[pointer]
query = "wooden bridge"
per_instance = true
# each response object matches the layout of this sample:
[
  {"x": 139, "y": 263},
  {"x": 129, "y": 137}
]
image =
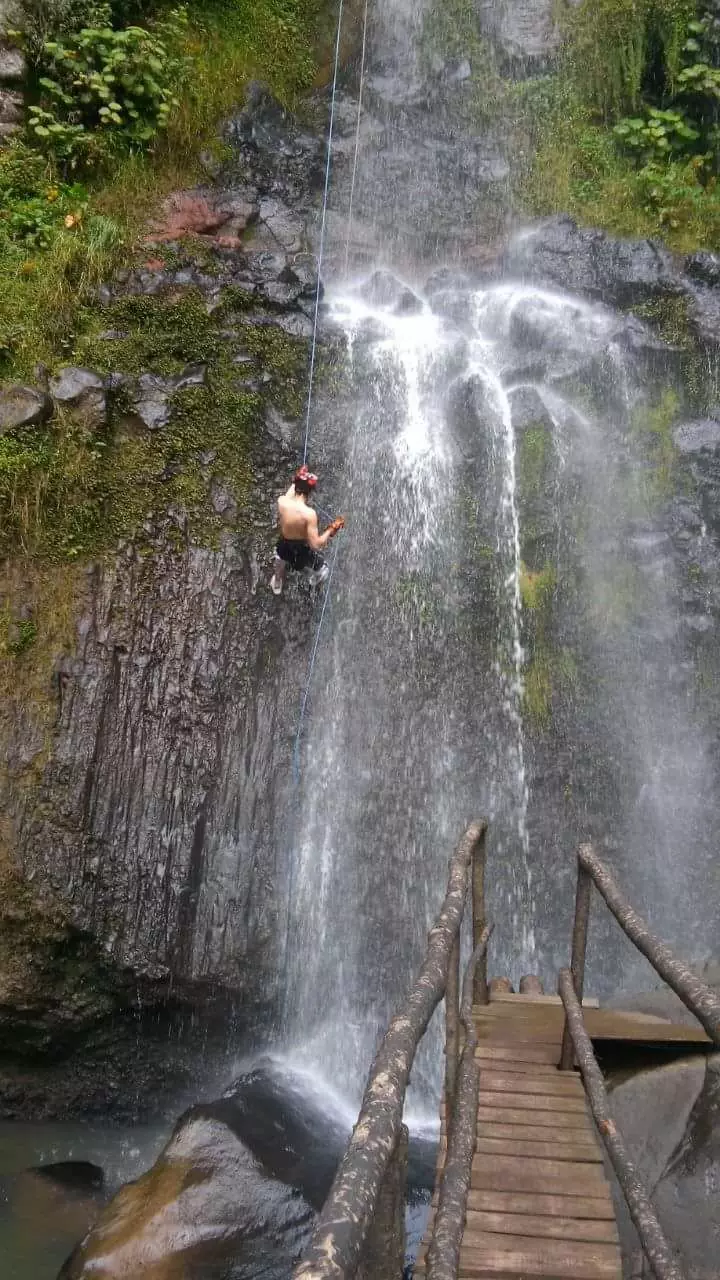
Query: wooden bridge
[{"x": 526, "y": 1133}]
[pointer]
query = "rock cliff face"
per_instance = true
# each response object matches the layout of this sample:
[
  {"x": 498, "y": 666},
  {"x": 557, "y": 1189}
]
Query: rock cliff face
[{"x": 148, "y": 777}]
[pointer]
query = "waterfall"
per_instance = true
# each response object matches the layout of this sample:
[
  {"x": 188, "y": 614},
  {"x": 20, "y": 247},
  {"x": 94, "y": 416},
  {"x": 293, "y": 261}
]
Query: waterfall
[{"x": 502, "y": 625}]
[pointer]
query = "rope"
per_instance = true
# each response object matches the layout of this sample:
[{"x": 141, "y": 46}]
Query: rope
[
  {"x": 311, "y": 668},
  {"x": 322, "y": 228},
  {"x": 357, "y": 136}
]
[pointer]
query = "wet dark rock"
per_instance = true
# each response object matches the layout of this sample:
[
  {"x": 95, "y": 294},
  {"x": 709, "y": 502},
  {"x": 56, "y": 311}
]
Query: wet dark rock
[
  {"x": 78, "y": 1176},
  {"x": 524, "y": 33},
  {"x": 529, "y": 408},
  {"x": 298, "y": 326},
  {"x": 408, "y": 303},
  {"x": 23, "y": 407},
  {"x": 13, "y": 65},
  {"x": 285, "y": 160},
  {"x": 279, "y": 427},
  {"x": 669, "y": 1118},
  {"x": 703, "y": 266},
  {"x": 222, "y": 500},
  {"x": 591, "y": 263},
  {"x": 193, "y": 375},
  {"x": 207, "y": 1207},
  {"x": 11, "y": 110},
  {"x": 83, "y": 393},
  {"x": 698, "y": 436},
  {"x": 622, "y": 273},
  {"x": 382, "y": 289},
  {"x": 237, "y": 1186},
  {"x": 704, "y": 313}
]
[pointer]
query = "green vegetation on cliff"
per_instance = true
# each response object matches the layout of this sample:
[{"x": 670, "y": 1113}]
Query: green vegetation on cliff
[
  {"x": 74, "y": 204},
  {"x": 626, "y": 133}
]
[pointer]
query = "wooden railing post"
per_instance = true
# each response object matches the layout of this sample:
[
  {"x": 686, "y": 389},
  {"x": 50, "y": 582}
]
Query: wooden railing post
[
  {"x": 383, "y": 1255},
  {"x": 579, "y": 948},
  {"x": 480, "y": 991},
  {"x": 452, "y": 1024},
  {"x": 652, "y": 1237}
]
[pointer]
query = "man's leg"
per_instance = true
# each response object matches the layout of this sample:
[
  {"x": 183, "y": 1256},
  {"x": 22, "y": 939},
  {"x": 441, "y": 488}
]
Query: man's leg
[
  {"x": 317, "y": 570},
  {"x": 278, "y": 578}
]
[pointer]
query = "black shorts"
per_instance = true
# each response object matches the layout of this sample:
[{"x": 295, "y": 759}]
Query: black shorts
[{"x": 298, "y": 555}]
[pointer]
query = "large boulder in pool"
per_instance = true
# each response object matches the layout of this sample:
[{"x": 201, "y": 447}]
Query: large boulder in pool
[
  {"x": 206, "y": 1209},
  {"x": 235, "y": 1192}
]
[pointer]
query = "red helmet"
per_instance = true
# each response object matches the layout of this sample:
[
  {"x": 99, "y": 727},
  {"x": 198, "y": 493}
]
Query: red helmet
[{"x": 306, "y": 476}]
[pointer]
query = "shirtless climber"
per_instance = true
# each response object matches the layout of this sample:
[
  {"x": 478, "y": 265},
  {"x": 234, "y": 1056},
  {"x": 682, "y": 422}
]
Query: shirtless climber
[{"x": 300, "y": 542}]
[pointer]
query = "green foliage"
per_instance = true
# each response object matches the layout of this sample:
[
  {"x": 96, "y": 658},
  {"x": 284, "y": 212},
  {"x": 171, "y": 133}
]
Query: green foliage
[
  {"x": 64, "y": 497},
  {"x": 649, "y": 173},
  {"x": 44, "y": 20},
  {"x": 619, "y": 48},
  {"x": 656, "y": 135},
  {"x": 107, "y": 89},
  {"x": 22, "y": 637}
]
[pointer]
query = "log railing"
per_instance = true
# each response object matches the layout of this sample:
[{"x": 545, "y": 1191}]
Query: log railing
[
  {"x": 353, "y": 1235},
  {"x": 700, "y": 999}
]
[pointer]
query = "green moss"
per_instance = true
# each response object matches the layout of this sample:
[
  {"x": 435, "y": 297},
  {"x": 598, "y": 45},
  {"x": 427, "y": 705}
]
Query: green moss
[
  {"x": 618, "y": 596},
  {"x": 537, "y": 702},
  {"x": 54, "y": 980},
  {"x": 652, "y": 425},
  {"x": 537, "y": 589},
  {"x": 534, "y": 456},
  {"x": 67, "y": 497},
  {"x": 450, "y": 31},
  {"x": 162, "y": 335}
]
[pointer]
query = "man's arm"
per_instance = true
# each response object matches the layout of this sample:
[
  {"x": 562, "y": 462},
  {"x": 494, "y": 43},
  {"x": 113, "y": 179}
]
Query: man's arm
[{"x": 317, "y": 541}]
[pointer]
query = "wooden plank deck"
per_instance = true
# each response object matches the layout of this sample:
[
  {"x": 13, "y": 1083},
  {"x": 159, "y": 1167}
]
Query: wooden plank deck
[{"x": 539, "y": 1202}]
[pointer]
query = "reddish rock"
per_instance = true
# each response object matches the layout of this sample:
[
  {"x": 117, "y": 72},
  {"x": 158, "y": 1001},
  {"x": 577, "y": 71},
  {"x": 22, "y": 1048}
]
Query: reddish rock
[{"x": 197, "y": 213}]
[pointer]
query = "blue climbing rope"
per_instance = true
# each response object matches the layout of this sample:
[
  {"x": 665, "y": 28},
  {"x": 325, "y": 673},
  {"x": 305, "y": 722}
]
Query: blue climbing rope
[
  {"x": 311, "y": 668},
  {"x": 323, "y": 222}
]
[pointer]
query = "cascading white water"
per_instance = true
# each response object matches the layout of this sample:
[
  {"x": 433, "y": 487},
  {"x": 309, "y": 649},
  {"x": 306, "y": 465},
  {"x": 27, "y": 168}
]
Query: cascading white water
[{"x": 418, "y": 716}]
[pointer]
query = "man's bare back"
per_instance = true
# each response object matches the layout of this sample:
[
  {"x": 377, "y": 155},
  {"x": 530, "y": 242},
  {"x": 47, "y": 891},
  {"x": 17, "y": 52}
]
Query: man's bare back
[
  {"x": 300, "y": 538},
  {"x": 298, "y": 522}
]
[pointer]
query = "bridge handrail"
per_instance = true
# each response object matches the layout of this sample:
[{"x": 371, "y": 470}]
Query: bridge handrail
[
  {"x": 443, "y": 1259},
  {"x": 654, "y": 1243},
  {"x": 336, "y": 1248},
  {"x": 695, "y": 994}
]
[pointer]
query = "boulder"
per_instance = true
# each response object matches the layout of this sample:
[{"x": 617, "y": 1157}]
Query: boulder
[
  {"x": 589, "y": 262},
  {"x": 23, "y": 407},
  {"x": 151, "y": 401},
  {"x": 13, "y": 65},
  {"x": 666, "y": 1116},
  {"x": 206, "y": 1208},
  {"x": 83, "y": 393},
  {"x": 11, "y": 108},
  {"x": 686, "y": 1196}
]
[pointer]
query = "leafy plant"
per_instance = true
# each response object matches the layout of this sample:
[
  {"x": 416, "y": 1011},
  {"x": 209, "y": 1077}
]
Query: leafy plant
[
  {"x": 656, "y": 135},
  {"x": 103, "y": 88}
]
